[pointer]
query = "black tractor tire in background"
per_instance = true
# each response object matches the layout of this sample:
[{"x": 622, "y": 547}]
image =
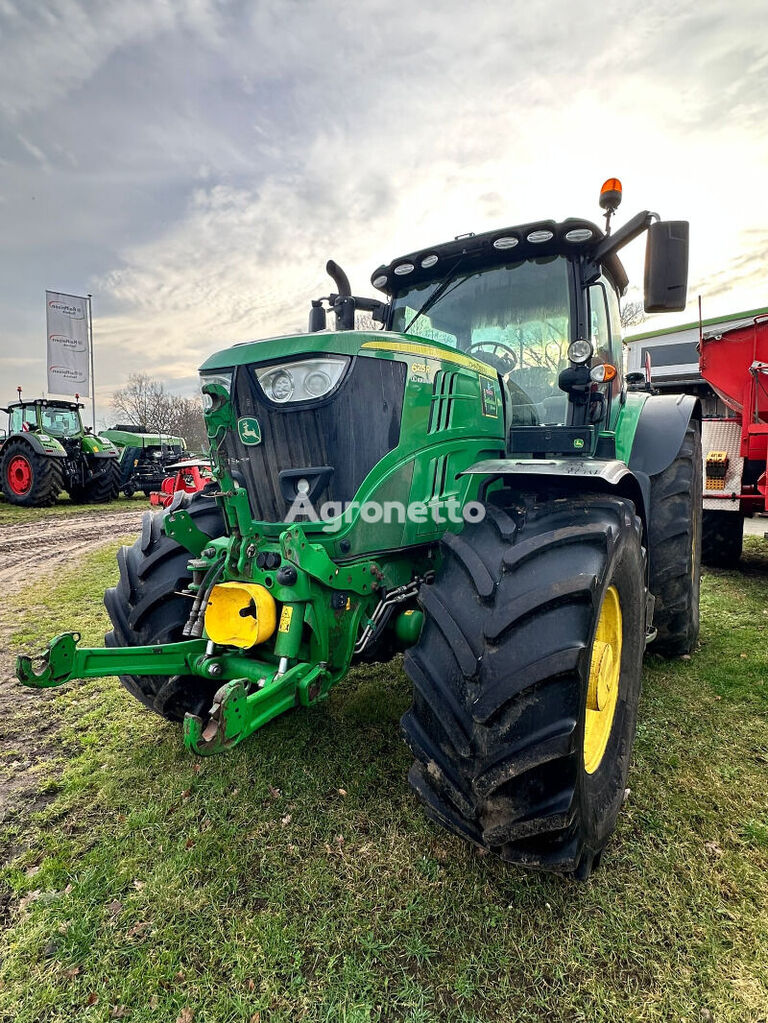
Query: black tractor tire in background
[
  {"x": 104, "y": 486},
  {"x": 501, "y": 676},
  {"x": 722, "y": 538},
  {"x": 46, "y": 477},
  {"x": 145, "y": 607},
  {"x": 674, "y": 548}
]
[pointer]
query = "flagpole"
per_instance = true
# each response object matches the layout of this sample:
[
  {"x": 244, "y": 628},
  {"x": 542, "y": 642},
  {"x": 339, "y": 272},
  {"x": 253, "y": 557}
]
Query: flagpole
[{"x": 93, "y": 381}]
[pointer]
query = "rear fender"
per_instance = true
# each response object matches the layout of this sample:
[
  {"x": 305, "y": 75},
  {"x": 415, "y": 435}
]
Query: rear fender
[
  {"x": 660, "y": 431},
  {"x": 593, "y": 475},
  {"x": 41, "y": 444}
]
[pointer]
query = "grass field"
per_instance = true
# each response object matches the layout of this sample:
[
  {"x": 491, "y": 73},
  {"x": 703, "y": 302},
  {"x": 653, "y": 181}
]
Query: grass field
[{"x": 297, "y": 879}]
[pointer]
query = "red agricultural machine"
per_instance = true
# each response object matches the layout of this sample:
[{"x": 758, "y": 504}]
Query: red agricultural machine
[
  {"x": 190, "y": 476},
  {"x": 735, "y": 364}
]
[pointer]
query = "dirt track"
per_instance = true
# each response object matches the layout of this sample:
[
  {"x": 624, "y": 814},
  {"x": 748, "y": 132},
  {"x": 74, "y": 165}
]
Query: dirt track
[
  {"x": 28, "y": 722},
  {"x": 29, "y": 550}
]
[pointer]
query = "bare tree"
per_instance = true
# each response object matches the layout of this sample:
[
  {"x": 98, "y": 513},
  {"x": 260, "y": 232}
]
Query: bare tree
[
  {"x": 146, "y": 403},
  {"x": 632, "y": 313},
  {"x": 187, "y": 422}
]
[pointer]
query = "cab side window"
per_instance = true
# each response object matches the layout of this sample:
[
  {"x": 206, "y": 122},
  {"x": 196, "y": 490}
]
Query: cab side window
[
  {"x": 614, "y": 318},
  {"x": 605, "y": 326},
  {"x": 599, "y": 326},
  {"x": 21, "y": 416}
]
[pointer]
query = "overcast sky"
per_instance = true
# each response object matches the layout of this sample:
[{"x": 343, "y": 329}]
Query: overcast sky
[{"x": 194, "y": 163}]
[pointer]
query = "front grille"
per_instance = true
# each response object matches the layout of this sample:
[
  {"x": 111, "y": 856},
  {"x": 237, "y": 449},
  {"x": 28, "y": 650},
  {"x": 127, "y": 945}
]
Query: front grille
[{"x": 351, "y": 432}]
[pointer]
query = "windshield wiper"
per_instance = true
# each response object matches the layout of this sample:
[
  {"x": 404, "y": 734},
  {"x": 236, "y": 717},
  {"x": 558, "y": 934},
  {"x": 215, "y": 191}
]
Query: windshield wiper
[{"x": 436, "y": 294}]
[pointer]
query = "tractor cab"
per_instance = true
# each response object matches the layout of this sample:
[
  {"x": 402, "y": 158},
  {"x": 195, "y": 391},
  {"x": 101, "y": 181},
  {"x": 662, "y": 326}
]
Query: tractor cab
[
  {"x": 538, "y": 303},
  {"x": 60, "y": 419},
  {"x": 518, "y": 300}
]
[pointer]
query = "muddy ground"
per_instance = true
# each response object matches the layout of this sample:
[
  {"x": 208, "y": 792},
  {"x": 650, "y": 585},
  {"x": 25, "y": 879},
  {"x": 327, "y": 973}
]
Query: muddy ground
[{"x": 28, "y": 722}]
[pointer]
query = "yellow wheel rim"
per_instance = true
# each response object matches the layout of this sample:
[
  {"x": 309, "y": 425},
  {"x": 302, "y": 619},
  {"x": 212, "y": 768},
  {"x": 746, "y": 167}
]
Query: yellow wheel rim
[{"x": 604, "y": 673}]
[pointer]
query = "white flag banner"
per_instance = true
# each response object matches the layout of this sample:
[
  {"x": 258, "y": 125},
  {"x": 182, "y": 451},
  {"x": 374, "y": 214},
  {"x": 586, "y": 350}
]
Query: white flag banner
[{"x": 67, "y": 327}]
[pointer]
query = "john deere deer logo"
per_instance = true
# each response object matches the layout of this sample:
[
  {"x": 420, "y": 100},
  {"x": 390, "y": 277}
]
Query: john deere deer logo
[{"x": 248, "y": 430}]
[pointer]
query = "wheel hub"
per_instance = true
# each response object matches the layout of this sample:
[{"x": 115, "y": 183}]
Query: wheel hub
[
  {"x": 604, "y": 679},
  {"x": 601, "y": 680},
  {"x": 19, "y": 475}
]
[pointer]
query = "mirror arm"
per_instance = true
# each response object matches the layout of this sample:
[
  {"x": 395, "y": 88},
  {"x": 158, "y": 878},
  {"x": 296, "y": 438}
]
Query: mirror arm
[{"x": 634, "y": 227}]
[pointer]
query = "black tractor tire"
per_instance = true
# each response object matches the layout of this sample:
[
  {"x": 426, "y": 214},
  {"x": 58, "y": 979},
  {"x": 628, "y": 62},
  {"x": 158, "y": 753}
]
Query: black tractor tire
[
  {"x": 674, "y": 548},
  {"x": 501, "y": 677},
  {"x": 145, "y": 607},
  {"x": 722, "y": 538},
  {"x": 102, "y": 487},
  {"x": 43, "y": 473}
]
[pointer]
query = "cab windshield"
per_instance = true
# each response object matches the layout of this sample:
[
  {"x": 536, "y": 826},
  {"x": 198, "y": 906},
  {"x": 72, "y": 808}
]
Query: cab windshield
[
  {"x": 516, "y": 318},
  {"x": 61, "y": 422}
]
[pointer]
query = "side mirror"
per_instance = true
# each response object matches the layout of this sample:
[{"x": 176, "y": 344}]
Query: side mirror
[
  {"x": 666, "y": 266},
  {"x": 317, "y": 320}
]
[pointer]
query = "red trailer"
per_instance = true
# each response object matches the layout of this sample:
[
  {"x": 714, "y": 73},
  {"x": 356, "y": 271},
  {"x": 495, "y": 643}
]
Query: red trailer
[{"x": 735, "y": 448}]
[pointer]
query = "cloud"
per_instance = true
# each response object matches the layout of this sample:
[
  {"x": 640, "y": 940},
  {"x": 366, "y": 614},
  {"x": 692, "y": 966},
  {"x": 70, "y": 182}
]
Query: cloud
[
  {"x": 195, "y": 164},
  {"x": 50, "y": 49}
]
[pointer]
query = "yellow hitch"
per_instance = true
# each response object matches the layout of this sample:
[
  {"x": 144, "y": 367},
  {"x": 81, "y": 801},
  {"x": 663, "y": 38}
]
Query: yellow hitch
[{"x": 240, "y": 614}]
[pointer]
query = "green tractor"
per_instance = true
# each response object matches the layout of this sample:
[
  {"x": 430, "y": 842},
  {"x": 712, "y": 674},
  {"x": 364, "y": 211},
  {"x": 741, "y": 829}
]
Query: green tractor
[
  {"x": 48, "y": 450},
  {"x": 144, "y": 457},
  {"x": 475, "y": 485}
]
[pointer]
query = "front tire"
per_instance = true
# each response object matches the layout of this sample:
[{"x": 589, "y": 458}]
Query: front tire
[
  {"x": 28, "y": 478},
  {"x": 504, "y": 674},
  {"x": 145, "y": 608},
  {"x": 102, "y": 487}
]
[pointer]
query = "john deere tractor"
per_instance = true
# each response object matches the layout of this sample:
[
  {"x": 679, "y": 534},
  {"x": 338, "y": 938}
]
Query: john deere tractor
[
  {"x": 473, "y": 484},
  {"x": 48, "y": 450}
]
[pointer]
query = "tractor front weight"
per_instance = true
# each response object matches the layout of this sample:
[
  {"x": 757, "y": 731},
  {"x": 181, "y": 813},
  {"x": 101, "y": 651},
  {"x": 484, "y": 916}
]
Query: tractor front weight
[{"x": 252, "y": 692}]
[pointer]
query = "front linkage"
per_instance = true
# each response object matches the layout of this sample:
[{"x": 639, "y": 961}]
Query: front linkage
[
  {"x": 324, "y": 607},
  {"x": 252, "y": 693}
]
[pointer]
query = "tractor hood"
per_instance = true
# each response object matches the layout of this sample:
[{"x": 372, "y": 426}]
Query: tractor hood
[
  {"x": 337, "y": 415},
  {"x": 376, "y": 344}
]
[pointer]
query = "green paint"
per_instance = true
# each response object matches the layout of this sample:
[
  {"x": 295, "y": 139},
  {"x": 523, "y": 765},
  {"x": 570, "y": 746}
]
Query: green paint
[
  {"x": 137, "y": 439},
  {"x": 626, "y": 424}
]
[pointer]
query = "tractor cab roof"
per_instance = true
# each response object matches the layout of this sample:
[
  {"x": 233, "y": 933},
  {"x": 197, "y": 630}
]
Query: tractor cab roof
[
  {"x": 44, "y": 402},
  {"x": 473, "y": 252}
]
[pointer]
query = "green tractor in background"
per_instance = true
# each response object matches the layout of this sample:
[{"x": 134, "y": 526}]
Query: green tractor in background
[
  {"x": 48, "y": 450},
  {"x": 473, "y": 484},
  {"x": 144, "y": 457}
]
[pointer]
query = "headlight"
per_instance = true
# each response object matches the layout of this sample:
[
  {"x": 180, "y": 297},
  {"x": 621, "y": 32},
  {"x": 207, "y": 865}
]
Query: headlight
[
  {"x": 580, "y": 351},
  {"x": 223, "y": 377},
  {"x": 278, "y": 386},
  {"x": 307, "y": 380}
]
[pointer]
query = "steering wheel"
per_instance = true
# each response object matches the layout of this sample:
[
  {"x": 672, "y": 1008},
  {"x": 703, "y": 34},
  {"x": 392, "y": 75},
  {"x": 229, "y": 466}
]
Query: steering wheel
[{"x": 501, "y": 356}]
